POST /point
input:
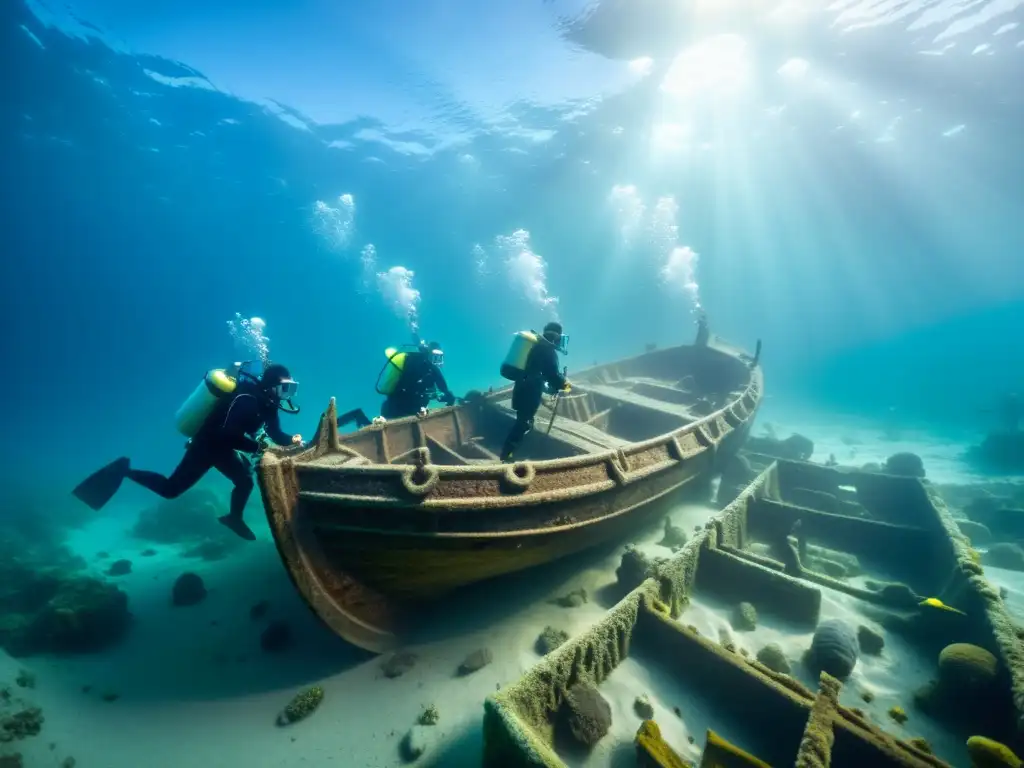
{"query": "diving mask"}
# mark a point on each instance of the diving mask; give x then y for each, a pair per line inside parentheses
(437, 357)
(561, 343)
(286, 389)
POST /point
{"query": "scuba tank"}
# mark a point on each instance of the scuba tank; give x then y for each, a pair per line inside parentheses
(193, 413)
(391, 373)
(514, 367)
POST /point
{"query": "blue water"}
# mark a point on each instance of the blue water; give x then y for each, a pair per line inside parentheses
(842, 182)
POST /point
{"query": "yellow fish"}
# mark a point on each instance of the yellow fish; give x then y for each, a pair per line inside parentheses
(934, 602)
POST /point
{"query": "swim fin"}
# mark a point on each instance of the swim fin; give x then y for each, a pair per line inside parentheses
(99, 488)
(236, 525)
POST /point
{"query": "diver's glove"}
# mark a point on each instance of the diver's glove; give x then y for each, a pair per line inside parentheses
(566, 388)
(422, 413)
(449, 399)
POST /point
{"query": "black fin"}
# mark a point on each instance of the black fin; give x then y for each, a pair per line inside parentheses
(237, 526)
(99, 488)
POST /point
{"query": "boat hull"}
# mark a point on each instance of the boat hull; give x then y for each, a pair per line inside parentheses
(425, 565)
(369, 543)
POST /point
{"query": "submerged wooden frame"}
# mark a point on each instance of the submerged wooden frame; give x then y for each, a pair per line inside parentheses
(519, 722)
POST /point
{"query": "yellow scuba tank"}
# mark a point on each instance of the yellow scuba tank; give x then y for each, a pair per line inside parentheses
(392, 371)
(200, 404)
(514, 367)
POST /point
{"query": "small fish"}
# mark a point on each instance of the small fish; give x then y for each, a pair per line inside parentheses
(934, 602)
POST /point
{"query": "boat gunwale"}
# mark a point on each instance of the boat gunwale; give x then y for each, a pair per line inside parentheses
(332, 444)
(519, 532)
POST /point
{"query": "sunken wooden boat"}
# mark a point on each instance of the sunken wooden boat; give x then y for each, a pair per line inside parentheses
(372, 523)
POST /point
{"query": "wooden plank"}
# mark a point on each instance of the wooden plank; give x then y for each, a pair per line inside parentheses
(642, 401)
(437, 447)
(474, 446)
(582, 437)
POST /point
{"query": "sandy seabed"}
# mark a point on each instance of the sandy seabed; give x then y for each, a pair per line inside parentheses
(193, 686)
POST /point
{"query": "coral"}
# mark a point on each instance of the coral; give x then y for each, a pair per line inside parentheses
(25, 679)
(744, 618)
(674, 538)
(276, 637)
(795, 447)
(429, 716)
(834, 649)
(259, 610)
(85, 615)
(870, 641)
(120, 568)
(20, 724)
(477, 660)
(633, 569)
(398, 664)
(905, 464)
(302, 706)
(773, 658)
(1003, 555)
(643, 707)
(572, 599)
(897, 714)
(416, 742)
(189, 518)
(966, 669)
(550, 639)
(651, 749)
(188, 589)
(986, 753)
(799, 447)
(586, 714)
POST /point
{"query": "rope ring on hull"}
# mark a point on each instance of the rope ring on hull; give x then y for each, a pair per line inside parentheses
(520, 475)
(419, 481)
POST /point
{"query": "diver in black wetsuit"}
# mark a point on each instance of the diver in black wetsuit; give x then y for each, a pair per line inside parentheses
(224, 434)
(421, 382)
(541, 369)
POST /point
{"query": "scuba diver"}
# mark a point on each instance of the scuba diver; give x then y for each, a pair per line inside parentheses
(532, 362)
(219, 418)
(410, 380)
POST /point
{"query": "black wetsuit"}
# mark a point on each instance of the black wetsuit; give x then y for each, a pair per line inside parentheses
(225, 431)
(419, 383)
(541, 368)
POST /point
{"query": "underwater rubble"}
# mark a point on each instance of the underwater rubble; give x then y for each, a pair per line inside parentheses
(48, 606)
(882, 539)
